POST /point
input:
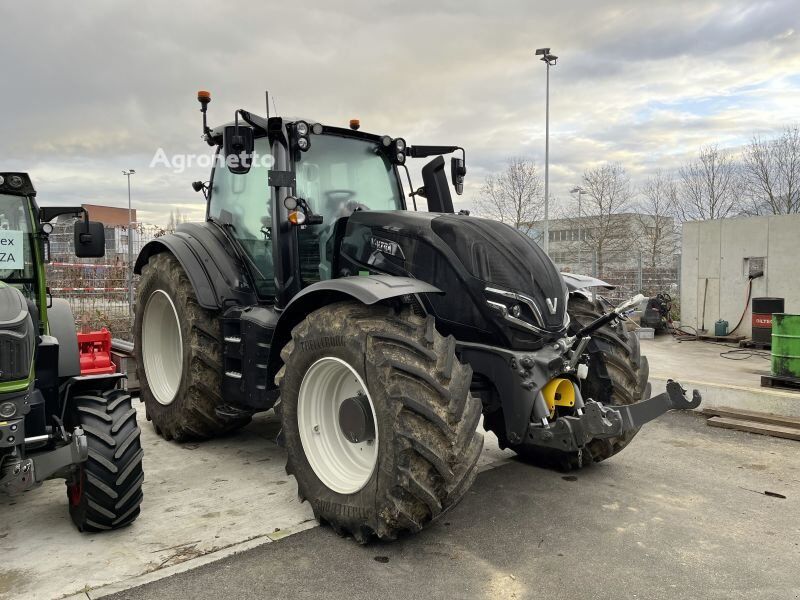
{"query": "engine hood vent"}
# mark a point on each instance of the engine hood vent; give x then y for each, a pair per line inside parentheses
(506, 259)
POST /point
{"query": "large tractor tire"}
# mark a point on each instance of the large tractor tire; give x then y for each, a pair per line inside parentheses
(378, 422)
(178, 347)
(618, 375)
(105, 492)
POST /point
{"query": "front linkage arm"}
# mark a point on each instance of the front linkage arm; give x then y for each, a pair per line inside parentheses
(599, 421)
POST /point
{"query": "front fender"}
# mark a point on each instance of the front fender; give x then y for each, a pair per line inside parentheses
(369, 289)
(203, 251)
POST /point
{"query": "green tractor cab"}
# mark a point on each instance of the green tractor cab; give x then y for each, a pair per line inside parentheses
(54, 422)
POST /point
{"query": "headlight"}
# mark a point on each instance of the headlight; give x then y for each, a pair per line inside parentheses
(303, 143)
(15, 181)
(2, 180)
(8, 410)
(317, 128)
(400, 145)
(386, 141)
(301, 127)
(400, 158)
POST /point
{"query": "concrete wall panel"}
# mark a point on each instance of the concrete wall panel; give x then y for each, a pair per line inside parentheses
(716, 250)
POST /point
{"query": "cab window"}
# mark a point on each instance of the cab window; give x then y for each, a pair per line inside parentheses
(244, 204)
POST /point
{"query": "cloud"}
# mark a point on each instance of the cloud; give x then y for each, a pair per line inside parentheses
(89, 92)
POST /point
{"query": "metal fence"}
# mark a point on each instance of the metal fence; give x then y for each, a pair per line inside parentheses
(97, 288)
(631, 272)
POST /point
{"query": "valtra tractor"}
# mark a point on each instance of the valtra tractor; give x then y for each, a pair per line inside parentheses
(54, 421)
(378, 332)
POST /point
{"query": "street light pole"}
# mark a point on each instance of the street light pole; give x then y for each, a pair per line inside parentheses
(549, 60)
(128, 174)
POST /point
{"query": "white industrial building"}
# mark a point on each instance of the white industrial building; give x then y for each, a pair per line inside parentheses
(718, 257)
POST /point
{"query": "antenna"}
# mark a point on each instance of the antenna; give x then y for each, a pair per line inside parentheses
(275, 108)
(266, 93)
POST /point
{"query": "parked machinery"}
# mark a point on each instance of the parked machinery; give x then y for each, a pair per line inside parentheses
(379, 334)
(55, 422)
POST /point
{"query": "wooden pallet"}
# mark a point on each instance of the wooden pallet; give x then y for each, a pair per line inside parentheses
(729, 339)
(754, 344)
(780, 381)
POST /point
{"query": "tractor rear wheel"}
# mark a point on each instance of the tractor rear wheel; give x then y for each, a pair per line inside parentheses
(618, 375)
(178, 346)
(105, 491)
(378, 422)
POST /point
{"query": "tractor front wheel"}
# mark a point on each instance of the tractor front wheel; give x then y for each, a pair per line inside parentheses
(378, 421)
(105, 491)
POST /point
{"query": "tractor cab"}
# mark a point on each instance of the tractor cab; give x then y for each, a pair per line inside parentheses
(24, 238)
(284, 189)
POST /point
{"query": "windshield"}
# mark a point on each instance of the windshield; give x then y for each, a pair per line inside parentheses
(16, 243)
(336, 176)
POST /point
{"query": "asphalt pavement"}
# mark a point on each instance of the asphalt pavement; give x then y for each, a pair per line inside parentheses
(681, 513)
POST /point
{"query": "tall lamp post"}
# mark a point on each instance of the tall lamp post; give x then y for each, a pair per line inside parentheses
(549, 60)
(128, 174)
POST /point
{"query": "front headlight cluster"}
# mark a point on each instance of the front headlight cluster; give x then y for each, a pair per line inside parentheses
(518, 309)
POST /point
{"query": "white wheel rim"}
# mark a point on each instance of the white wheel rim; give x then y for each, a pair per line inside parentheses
(162, 347)
(343, 466)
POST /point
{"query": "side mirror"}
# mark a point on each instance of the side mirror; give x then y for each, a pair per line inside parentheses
(457, 172)
(437, 192)
(90, 239)
(238, 144)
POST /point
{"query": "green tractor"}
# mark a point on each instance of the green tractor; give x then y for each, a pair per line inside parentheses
(379, 334)
(54, 422)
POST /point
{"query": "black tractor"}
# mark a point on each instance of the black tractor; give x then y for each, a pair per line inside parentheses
(379, 334)
(55, 422)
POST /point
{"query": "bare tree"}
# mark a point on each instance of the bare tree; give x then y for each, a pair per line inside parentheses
(658, 236)
(708, 186)
(515, 196)
(771, 173)
(606, 193)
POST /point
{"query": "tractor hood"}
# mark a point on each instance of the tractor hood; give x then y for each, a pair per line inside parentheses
(500, 287)
(17, 336)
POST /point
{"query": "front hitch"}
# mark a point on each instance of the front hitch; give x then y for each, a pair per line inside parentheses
(600, 421)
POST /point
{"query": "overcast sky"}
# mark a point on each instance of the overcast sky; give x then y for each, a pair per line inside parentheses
(90, 88)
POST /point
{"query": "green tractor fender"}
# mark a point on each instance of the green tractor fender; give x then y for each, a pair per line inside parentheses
(61, 325)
